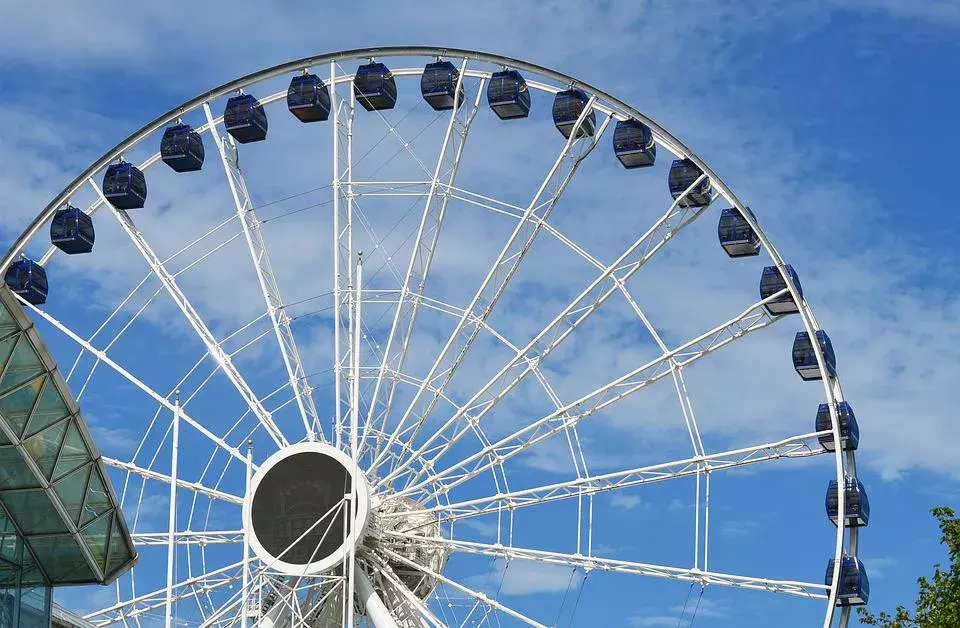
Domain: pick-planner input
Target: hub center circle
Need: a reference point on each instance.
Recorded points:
(307, 505)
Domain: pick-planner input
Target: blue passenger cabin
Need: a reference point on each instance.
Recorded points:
(181, 148)
(849, 430)
(71, 231)
(245, 119)
(124, 186)
(854, 589)
(308, 98)
(772, 282)
(633, 144)
(438, 84)
(28, 279)
(856, 505)
(375, 87)
(736, 235)
(683, 174)
(805, 359)
(567, 107)
(508, 96)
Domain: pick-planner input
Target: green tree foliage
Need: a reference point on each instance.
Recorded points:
(938, 603)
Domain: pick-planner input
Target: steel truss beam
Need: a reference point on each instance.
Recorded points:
(246, 213)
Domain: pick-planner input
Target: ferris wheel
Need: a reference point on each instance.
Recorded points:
(372, 367)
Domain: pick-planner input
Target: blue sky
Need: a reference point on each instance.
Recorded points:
(833, 120)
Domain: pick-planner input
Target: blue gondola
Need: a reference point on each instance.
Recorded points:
(508, 96)
(737, 237)
(375, 87)
(772, 282)
(567, 107)
(849, 429)
(28, 279)
(438, 83)
(854, 587)
(182, 148)
(633, 144)
(71, 231)
(856, 505)
(683, 174)
(805, 360)
(245, 119)
(125, 186)
(308, 98)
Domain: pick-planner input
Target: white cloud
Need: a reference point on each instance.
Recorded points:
(625, 502)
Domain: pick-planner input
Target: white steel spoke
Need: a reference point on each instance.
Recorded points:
(612, 280)
(802, 446)
(590, 563)
(559, 176)
(405, 315)
(199, 326)
(103, 357)
(342, 184)
(189, 537)
(753, 318)
(268, 284)
(481, 597)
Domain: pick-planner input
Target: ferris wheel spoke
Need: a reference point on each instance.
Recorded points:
(260, 257)
(150, 474)
(182, 590)
(590, 563)
(199, 326)
(421, 257)
(752, 319)
(558, 178)
(103, 357)
(612, 280)
(397, 588)
(800, 446)
(211, 537)
(476, 595)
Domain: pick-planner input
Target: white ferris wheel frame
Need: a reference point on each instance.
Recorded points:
(533, 216)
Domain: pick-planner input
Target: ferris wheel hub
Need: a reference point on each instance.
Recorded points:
(302, 512)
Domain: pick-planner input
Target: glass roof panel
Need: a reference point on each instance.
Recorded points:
(7, 323)
(74, 452)
(50, 409)
(22, 366)
(71, 490)
(61, 558)
(14, 471)
(33, 511)
(119, 554)
(98, 501)
(95, 536)
(6, 347)
(15, 407)
(44, 447)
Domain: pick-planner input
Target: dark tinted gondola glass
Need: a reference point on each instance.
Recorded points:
(856, 504)
(308, 98)
(508, 95)
(633, 144)
(683, 174)
(854, 589)
(182, 148)
(375, 87)
(71, 231)
(771, 282)
(847, 422)
(736, 235)
(567, 107)
(438, 83)
(124, 186)
(805, 359)
(28, 279)
(245, 119)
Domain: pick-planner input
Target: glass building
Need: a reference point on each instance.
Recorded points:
(60, 522)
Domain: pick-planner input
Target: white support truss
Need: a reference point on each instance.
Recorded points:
(195, 321)
(189, 537)
(251, 224)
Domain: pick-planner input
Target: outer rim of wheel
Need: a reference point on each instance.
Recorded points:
(831, 385)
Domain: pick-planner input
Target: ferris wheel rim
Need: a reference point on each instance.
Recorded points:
(832, 390)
